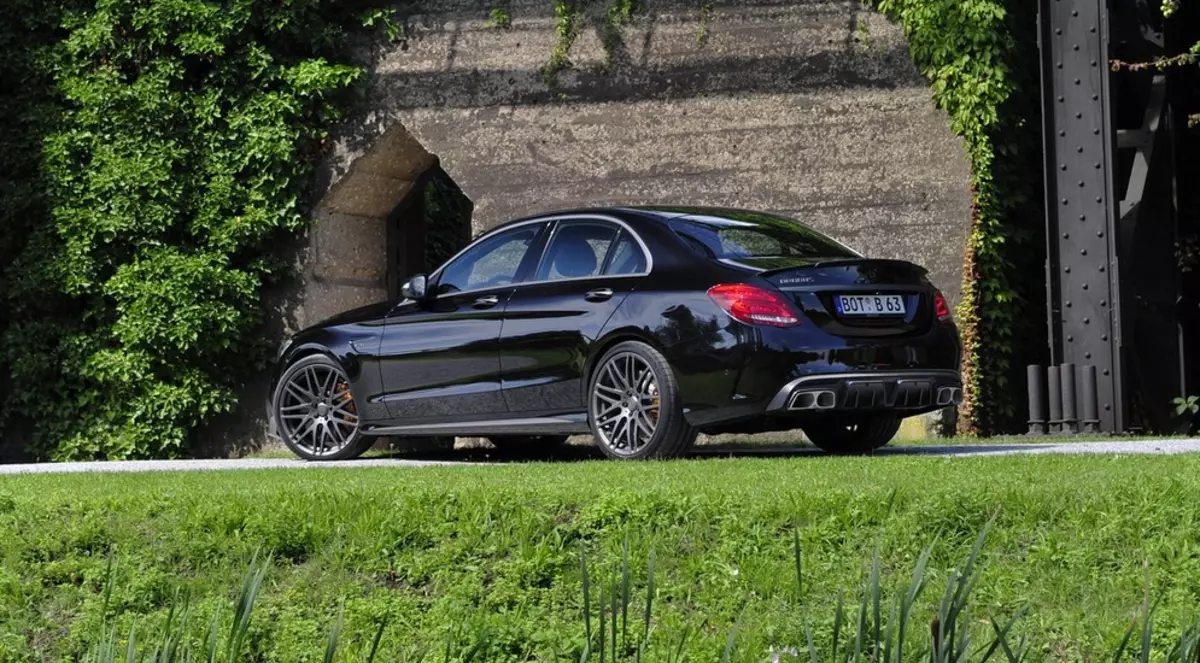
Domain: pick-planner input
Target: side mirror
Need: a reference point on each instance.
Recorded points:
(414, 288)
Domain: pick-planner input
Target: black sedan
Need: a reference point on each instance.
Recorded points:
(642, 326)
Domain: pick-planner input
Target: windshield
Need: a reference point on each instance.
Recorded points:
(755, 235)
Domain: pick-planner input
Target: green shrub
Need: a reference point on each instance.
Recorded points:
(165, 152)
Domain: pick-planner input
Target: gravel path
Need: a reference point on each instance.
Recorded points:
(1141, 446)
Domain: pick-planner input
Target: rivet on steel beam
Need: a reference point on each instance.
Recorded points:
(1064, 201)
(1099, 233)
(1078, 116)
(1106, 371)
(1095, 96)
(1106, 405)
(1068, 304)
(1061, 99)
(1075, 47)
(1079, 149)
(1066, 235)
(1058, 31)
(1092, 29)
(1074, 12)
(1077, 81)
(1102, 268)
(1099, 199)
(1083, 217)
(1062, 166)
(1087, 355)
(1083, 252)
(1097, 164)
(1067, 270)
(1104, 302)
(1085, 286)
(1086, 321)
(1062, 134)
(1080, 182)
(1070, 339)
(1104, 337)
(1096, 132)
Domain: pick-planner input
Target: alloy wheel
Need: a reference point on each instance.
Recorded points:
(626, 403)
(317, 411)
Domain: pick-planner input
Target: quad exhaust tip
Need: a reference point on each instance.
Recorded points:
(949, 396)
(813, 400)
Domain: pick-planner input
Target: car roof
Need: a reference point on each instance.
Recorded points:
(660, 213)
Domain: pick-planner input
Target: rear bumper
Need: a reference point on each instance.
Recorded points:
(909, 392)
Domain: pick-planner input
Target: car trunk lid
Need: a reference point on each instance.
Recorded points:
(853, 297)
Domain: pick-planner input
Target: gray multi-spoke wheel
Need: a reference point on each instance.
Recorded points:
(315, 412)
(634, 407)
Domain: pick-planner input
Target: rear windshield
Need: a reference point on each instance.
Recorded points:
(755, 235)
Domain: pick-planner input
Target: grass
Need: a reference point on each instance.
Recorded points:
(444, 556)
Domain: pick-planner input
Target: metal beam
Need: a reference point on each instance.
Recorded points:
(1079, 139)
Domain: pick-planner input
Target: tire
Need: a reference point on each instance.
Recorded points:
(854, 436)
(315, 413)
(528, 443)
(634, 407)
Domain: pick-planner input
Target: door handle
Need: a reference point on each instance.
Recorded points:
(486, 302)
(598, 295)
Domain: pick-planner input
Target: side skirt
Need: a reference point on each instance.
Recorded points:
(567, 424)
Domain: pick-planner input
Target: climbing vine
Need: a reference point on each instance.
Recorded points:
(978, 58)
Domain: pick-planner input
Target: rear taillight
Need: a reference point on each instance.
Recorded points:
(753, 305)
(940, 306)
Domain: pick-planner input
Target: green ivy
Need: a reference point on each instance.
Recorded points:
(981, 60)
(169, 143)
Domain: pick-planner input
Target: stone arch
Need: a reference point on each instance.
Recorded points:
(395, 212)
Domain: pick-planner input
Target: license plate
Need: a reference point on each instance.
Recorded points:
(869, 304)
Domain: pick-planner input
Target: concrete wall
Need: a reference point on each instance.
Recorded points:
(810, 109)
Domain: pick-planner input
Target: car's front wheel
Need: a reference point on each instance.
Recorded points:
(853, 435)
(634, 406)
(315, 413)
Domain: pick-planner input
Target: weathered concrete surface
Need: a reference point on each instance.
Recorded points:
(811, 109)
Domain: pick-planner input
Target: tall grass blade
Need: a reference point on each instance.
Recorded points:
(837, 623)
(1002, 640)
(862, 626)
(587, 596)
(799, 566)
(625, 591)
(877, 598)
(375, 642)
(245, 608)
(1148, 630)
(212, 638)
(334, 635)
(603, 639)
(812, 648)
(1001, 634)
(613, 641)
(649, 599)
(131, 646)
(728, 654)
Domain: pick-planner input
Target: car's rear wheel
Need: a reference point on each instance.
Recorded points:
(315, 412)
(853, 435)
(528, 443)
(634, 406)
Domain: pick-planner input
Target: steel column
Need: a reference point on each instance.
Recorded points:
(1083, 287)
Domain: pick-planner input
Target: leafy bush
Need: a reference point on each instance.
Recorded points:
(163, 151)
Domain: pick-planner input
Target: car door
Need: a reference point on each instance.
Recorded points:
(439, 358)
(588, 268)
